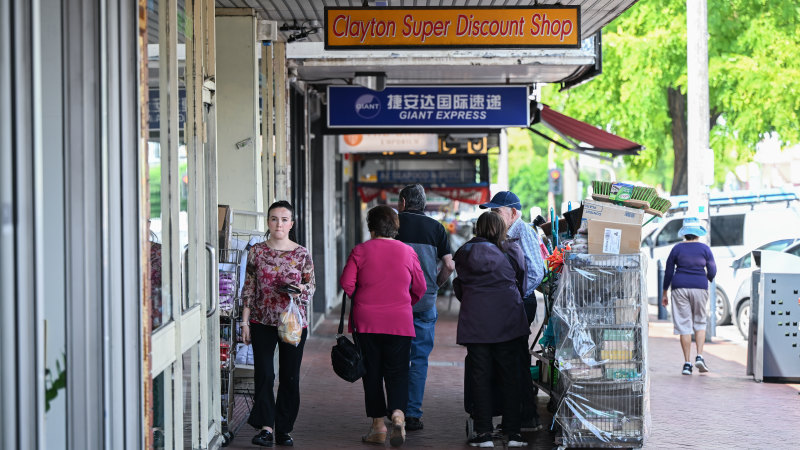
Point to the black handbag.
(346, 357)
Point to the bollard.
(711, 325)
(662, 311)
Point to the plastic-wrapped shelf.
(601, 351)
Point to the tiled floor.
(721, 409)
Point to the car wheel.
(723, 309)
(743, 318)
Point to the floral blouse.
(268, 269)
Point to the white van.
(738, 224)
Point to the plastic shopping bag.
(290, 329)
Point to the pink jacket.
(387, 280)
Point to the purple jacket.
(490, 289)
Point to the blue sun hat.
(691, 225)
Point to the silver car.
(742, 267)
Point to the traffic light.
(554, 181)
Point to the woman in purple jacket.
(492, 324)
(693, 266)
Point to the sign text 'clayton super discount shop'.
(428, 107)
(441, 27)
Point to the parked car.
(741, 302)
(738, 225)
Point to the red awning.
(575, 132)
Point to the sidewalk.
(721, 409)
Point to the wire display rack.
(229, 306)
(601, 352)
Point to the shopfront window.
(156, 159)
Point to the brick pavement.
(721, 409)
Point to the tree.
(754, 82)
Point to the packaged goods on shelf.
(605, 401)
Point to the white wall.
(238, 168)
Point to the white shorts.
(689, 310)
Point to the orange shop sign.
(397, 28)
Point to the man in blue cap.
(508, 206)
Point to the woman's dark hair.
(383, 221)
(286, 205)
(491, 227)
(690, 237)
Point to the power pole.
(502, 162)
(700, 158)
(697, 153)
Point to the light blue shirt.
(529, 243)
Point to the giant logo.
(368, 106)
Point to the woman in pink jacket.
(384, 278)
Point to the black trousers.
(279, 413)
(386, 358)
(528, 391)
(502, 357)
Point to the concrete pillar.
(238, 142)
(697, 109)
(282, 188)
(569, 184)
(502, 163)
(325, 226)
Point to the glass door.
(182, 262)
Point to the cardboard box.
(614, 238)
(609, 212)
(224, 217)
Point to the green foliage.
(754, 80)
(154, 181)
(527, 168)
(53, 385)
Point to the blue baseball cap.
(504, 198)
(691, 225)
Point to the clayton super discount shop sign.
(394, 28)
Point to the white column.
(502, 163)
(569, 183)
(238, 141)
(698, 114)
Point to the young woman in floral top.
(277, 262)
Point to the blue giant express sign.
(428, 107)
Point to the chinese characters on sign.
(428, 106)
(445, 106)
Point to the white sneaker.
(483, 440)
(700, 363)
(515, 440)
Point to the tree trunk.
(677, 111)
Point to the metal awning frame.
(576, 148)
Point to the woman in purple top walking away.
(492, 325)
(690, 266)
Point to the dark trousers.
(528, 390)
(279, 414)
(502, 357)
(386, 358)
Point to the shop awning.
(582, 137)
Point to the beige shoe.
(398, 436)
(374, 437)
